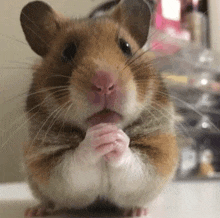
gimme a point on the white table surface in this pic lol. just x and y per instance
(179, 200)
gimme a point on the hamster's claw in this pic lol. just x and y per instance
(137, 212)
(37, 211)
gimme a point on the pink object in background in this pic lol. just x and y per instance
(168, 21)
(168, 14)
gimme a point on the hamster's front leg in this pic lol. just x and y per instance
(70, 178)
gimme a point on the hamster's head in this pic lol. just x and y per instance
(92, 70)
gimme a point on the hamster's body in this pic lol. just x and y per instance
(101, 122)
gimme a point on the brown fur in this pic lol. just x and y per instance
(97, 50)
(161, 95)
(41, 166)
(89, 37)
(161, 150)
(50, 75)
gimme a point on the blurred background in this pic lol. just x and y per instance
(185, 46)
(184, 43)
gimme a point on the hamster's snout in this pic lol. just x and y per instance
(105, 92)
(104, 83)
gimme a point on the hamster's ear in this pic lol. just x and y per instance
(103, 8)
(135, 15)
(40, 24)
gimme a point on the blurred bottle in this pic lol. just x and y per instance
(196, 19)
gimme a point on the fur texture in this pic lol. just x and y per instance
(70, 162)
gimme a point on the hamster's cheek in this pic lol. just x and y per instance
(129, 107)
(124, 102)
(80, 108)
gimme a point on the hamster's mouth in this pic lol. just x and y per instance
(104, 116)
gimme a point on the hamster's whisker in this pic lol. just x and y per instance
(13, 133)
(157, 44)
(61, 88)
(133, 55)
(45, 122)
(60, 96)
(37, 35)
(34, 93)
(23, 116)
(20, 62)
(153, 115)
(67, 110)
(30, 20)
(14, 39)
(16, 68)
(146, 63)
(129, 62)
(152, 34)
(53, 121)
(32, 29)
(153, 122)
(55, 118)
(170, 116)
(57, 75)
(47, 151)
(135, 58)
(190, 106)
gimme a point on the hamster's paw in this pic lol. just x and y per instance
(99, 140)
(121, 147)
(136, 212)
(37, 211)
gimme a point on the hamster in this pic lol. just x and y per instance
(101, 122)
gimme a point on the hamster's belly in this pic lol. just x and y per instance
(79, 189)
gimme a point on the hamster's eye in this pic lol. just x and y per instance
(69, 52)
(125, 47)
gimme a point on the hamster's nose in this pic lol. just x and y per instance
(103, 83)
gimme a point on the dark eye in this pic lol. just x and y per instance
(69, 52)
(125, 47)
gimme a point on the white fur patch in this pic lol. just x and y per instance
(73, 185)
(131, 184)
